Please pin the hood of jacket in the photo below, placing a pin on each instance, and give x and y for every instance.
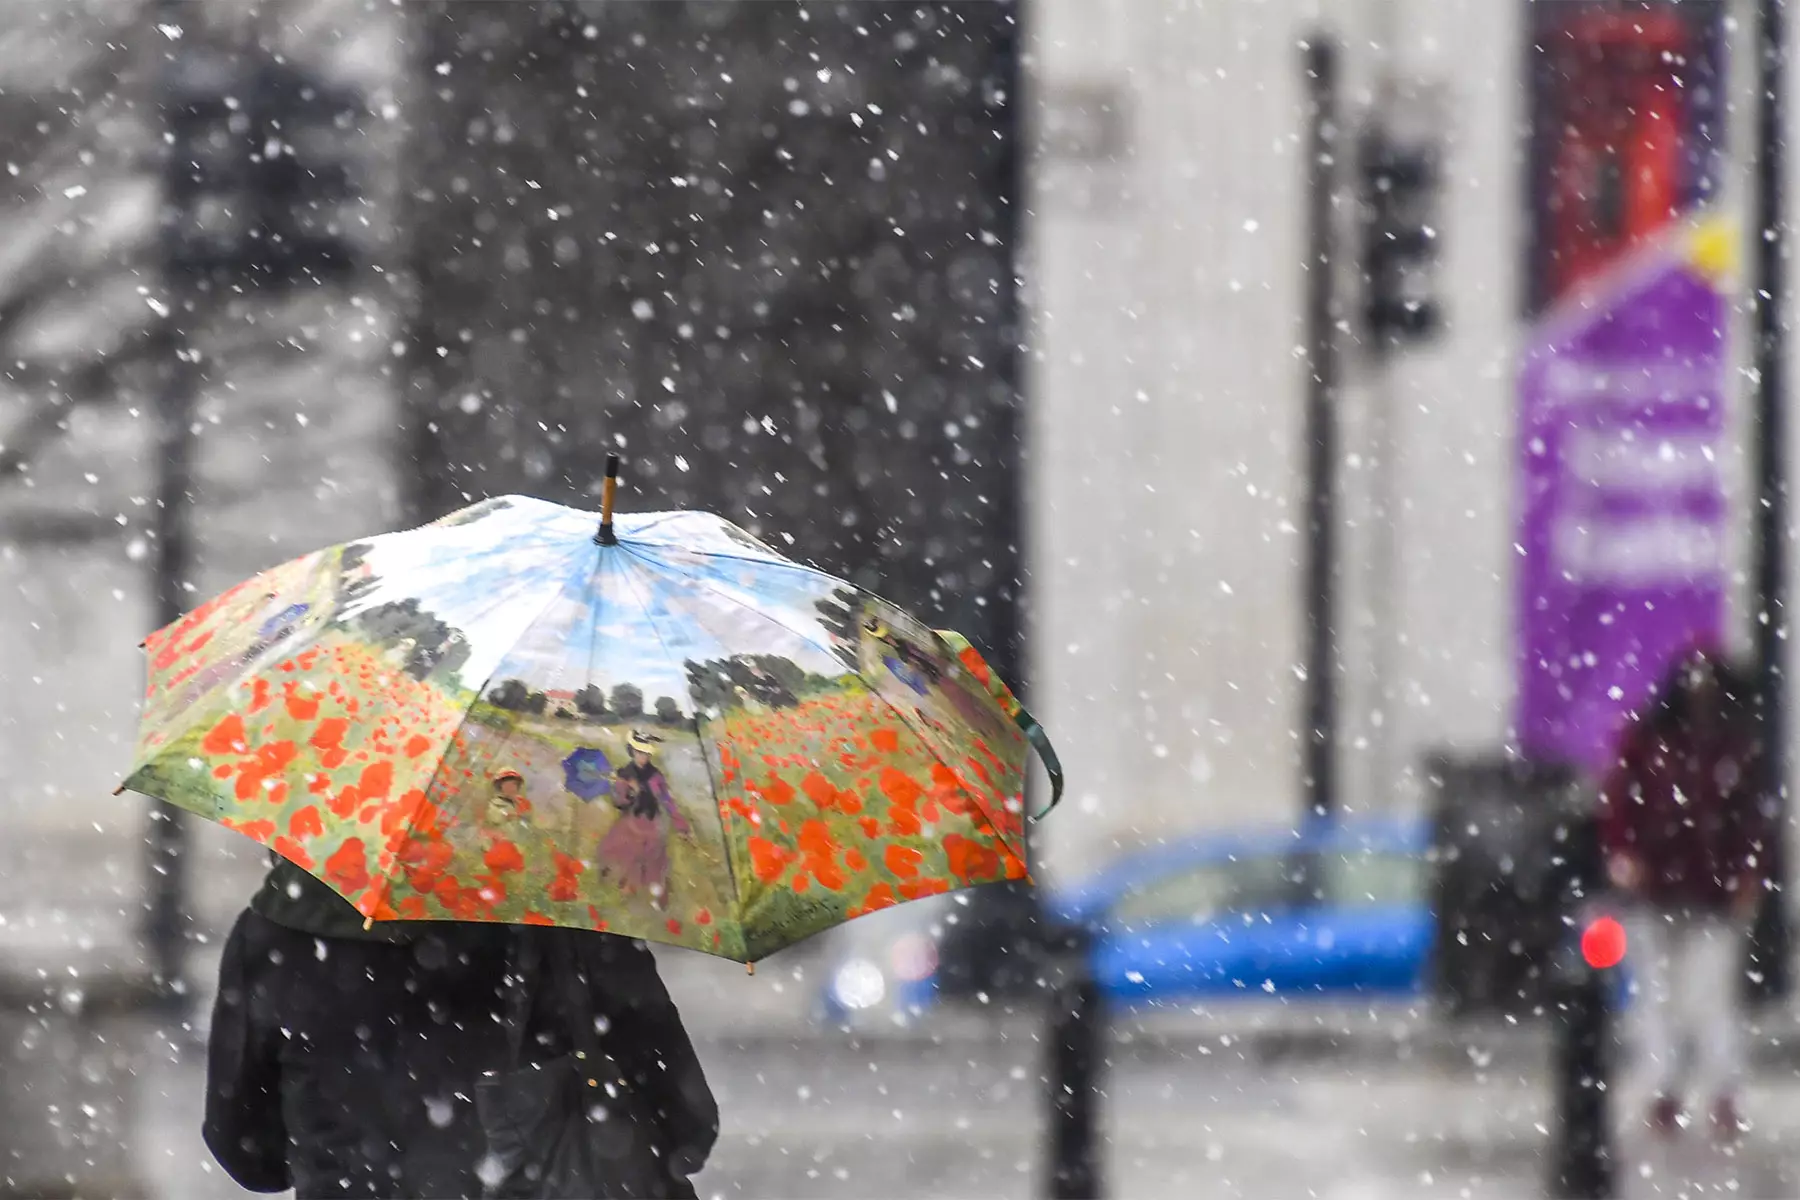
(296, 899)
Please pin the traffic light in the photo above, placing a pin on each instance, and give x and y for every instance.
(258, 171)
(1400, 181)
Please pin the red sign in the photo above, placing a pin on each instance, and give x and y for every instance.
(1626, 130)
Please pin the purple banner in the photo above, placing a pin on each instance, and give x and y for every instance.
(1621, 537)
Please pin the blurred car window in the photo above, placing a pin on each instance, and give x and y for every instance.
(1206, 891)
(1369, 878)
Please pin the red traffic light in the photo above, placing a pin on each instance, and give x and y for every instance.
(1603, 943)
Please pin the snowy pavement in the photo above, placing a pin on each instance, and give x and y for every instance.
(955, 1109)
(820, 1118)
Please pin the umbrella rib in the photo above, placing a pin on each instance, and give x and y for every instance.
(737, 895)
(594, 629)
(710, 586)
(787, 564)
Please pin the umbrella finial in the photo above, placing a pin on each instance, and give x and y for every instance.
(605, 536)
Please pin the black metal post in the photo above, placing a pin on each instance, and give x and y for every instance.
(1076, 1057)
(1581, 1158)
(167, 838)
(1771, 938)
(1321, 718)
(1581, 1153)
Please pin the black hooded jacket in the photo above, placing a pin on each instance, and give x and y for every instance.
(343, 1061)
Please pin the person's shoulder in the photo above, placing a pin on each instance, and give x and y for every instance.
(611, 949)
(258, 941)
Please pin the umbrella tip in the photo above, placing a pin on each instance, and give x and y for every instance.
(608, 490)
(118, 789)
(749, 968)
(368, 924)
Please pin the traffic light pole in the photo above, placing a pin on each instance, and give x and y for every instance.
(1320, 713)
(167, 839)
(1771, 939)
(165, 931)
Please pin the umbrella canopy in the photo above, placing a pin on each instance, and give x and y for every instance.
(668, 731)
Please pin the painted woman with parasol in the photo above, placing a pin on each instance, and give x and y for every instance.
(634, 854)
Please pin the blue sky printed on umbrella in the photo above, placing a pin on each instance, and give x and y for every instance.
(637, 615)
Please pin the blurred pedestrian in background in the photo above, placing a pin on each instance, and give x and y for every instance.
(1684, 829)
(345, 1060)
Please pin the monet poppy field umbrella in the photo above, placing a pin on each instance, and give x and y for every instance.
(660, 728)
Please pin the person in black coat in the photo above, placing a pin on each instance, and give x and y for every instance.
(344, 1061)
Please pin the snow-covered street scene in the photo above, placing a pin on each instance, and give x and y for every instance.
(946, 599)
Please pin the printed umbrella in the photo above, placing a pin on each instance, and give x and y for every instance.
(720, 748)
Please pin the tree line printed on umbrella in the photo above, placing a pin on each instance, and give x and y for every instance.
(613, 771)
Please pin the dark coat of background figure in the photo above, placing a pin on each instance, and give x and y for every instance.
(344, 1063)
(1683, 819)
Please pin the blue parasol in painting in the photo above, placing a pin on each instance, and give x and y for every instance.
(587, 773)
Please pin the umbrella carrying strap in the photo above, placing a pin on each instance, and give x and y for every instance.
(575, 1125)
(1035, 735)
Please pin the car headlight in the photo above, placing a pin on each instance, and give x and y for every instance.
(858, 984)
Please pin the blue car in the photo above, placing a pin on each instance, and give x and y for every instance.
(1327, 910)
